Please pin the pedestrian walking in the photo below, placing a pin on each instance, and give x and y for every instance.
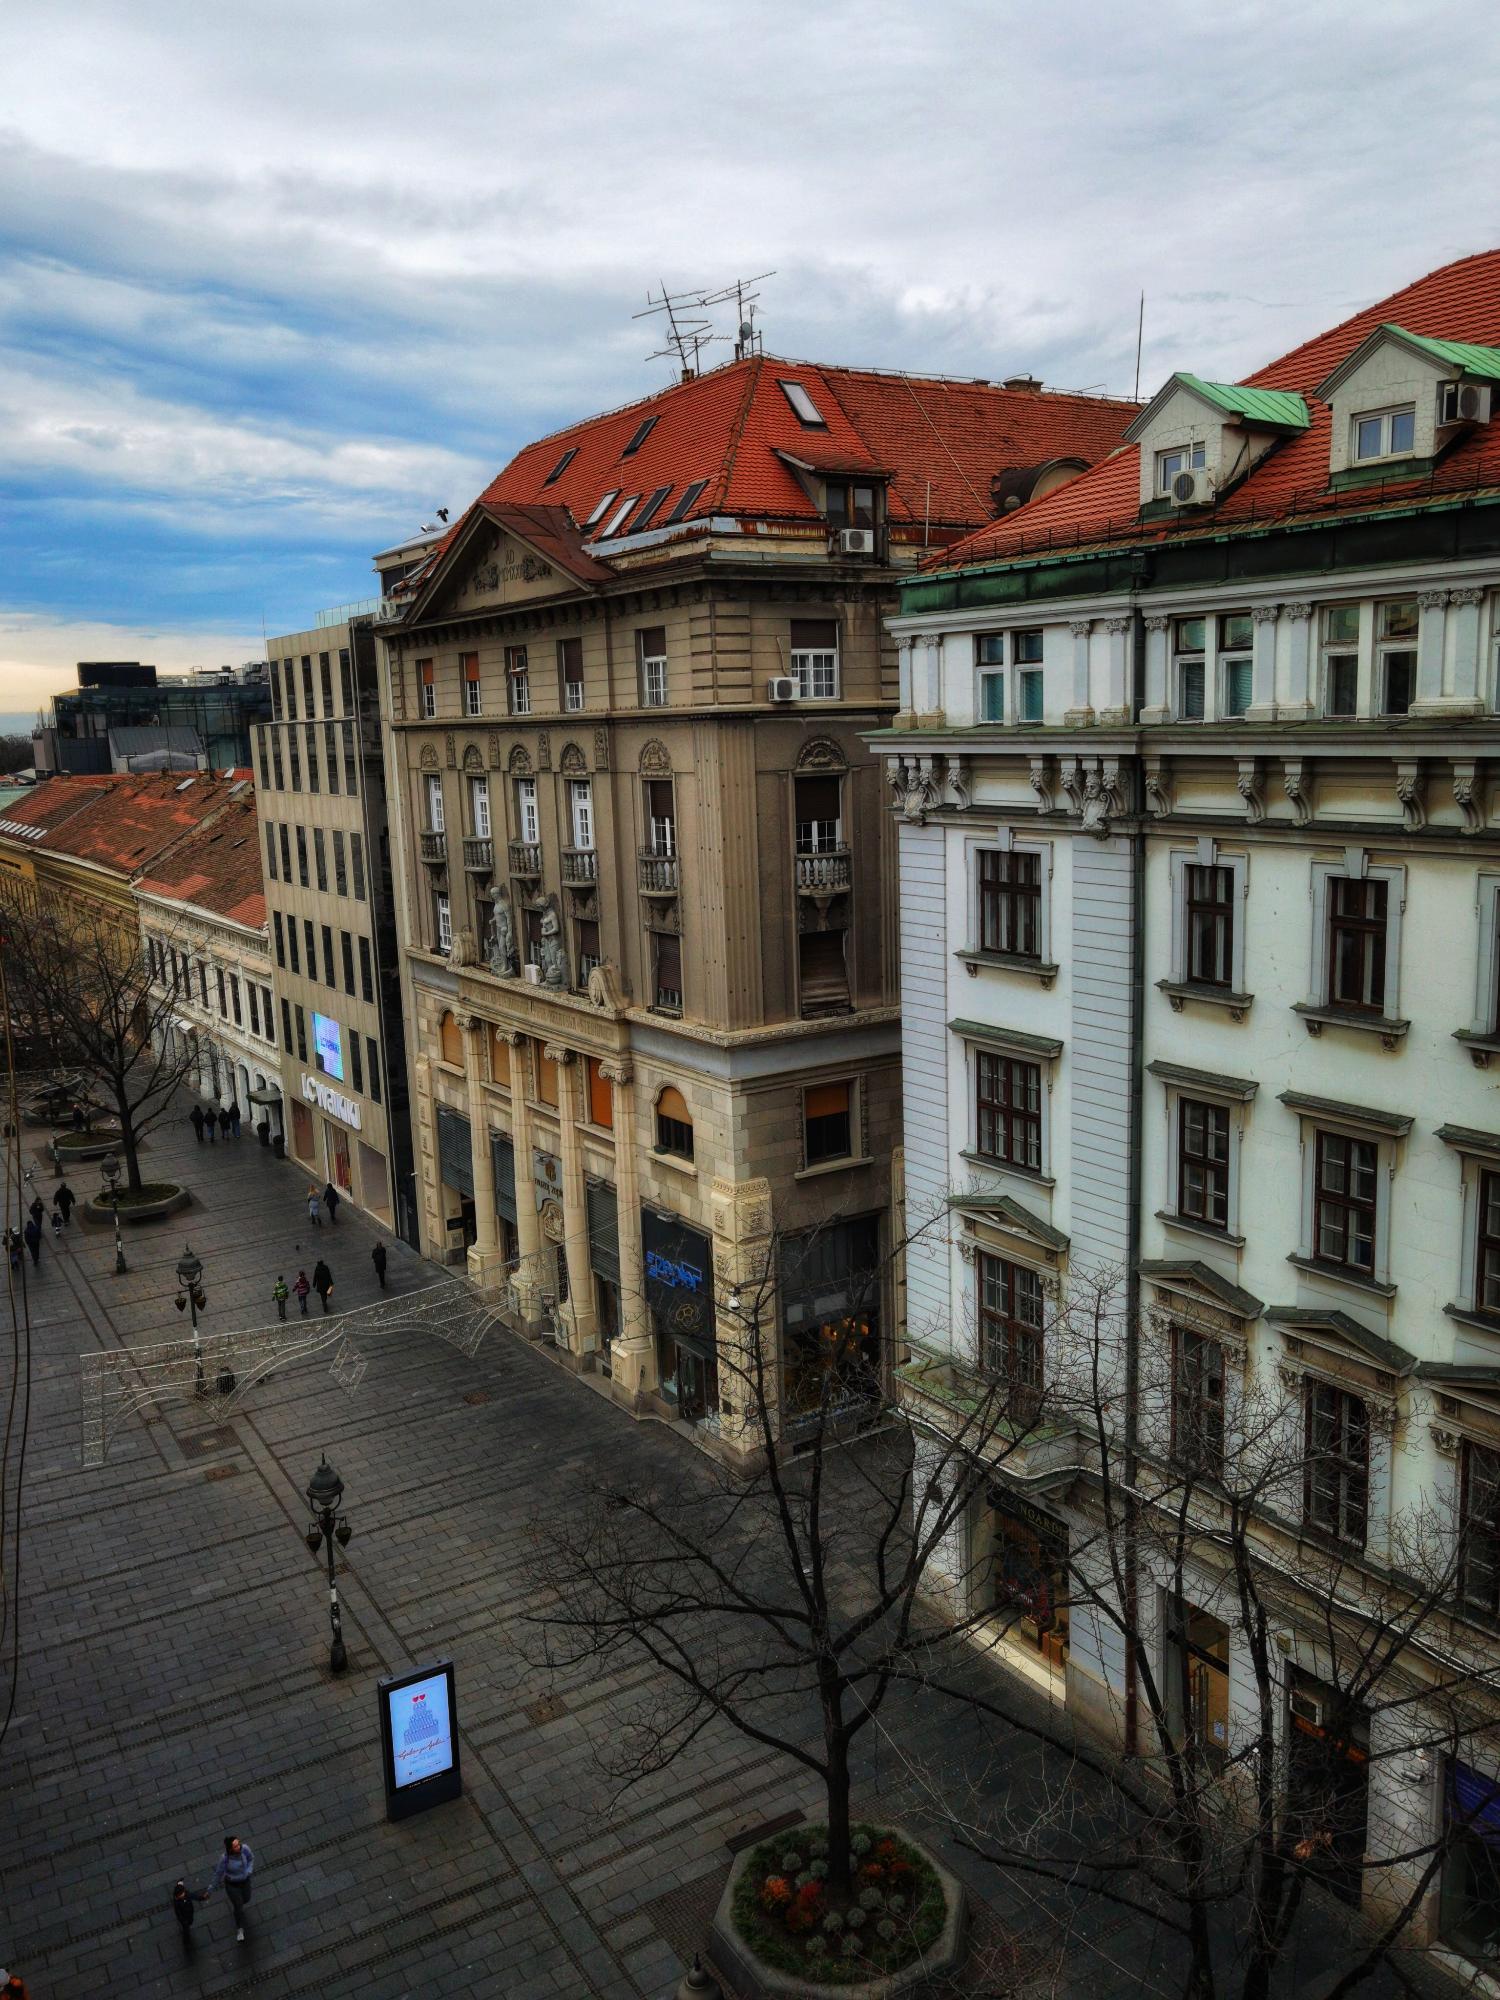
(15, 1987)
(56, 1223)
(65, 1199)
(77, 1117)
(234, 1117)
(37, 1210)
(314, 1208)
(184, 1909)
(322, 1281)
(235, 1867)
(195, 1119)
(302, 1288)
(279, 1294)
(377, 1258)
(34, 1241)
(223, 1123)
(13, 1249)
(331, 1201)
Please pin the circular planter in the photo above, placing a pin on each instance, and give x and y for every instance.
(762, 1955)
(160, 1198)
(68, 1146)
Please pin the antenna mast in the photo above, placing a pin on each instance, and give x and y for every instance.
(689, 326)
(1140, 328)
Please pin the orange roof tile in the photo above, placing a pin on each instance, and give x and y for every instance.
(124, 820)
(1459, 301)
(215, 866)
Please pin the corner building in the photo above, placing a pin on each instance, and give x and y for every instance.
(1200, 895)
(645, 873)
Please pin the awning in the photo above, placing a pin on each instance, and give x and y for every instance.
(266, 1094)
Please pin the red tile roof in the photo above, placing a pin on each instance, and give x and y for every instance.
(941, 442)
(120, 822)
(215, 867)
(1459, 301)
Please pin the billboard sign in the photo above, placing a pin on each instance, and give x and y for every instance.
(328, 1046)
(419, 1739)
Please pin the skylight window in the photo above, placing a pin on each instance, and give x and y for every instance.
(562, 465)
(807, 411)
(617, 519)
(647, 513)
(688, 501)
(640, 437)
(604, 506)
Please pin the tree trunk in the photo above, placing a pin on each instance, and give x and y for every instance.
(836, 1777)
(128, 1142)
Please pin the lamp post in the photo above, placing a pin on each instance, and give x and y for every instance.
(324, 1491)
(109, 1168)
(189, 1272)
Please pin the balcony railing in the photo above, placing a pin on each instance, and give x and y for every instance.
(479, 854)
(526, 857)
(580, 864)
(658, 873)
(822, 874)
(434, 848)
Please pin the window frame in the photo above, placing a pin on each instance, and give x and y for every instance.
(480, 816)
(1385, 416)
(1345, 1202)
(810, 663)
(426, 690)
(653, 677)
(850, 1151)
(1189, 659)
(1355, 865)
(1015, 906)
(1204, 1414)
(517, 680)
(581, 794)
(994, 1098)
(1388, 648)
(1172, 459)
(1326, 1450)
(436, 812)
(1208, 854)
(1227, 657)
(567, 684)
(1198, 1160)
(443, 911)
(528, 809)
(997, 1318)
(468, 667)
(667, 1131)
(1488, 1523)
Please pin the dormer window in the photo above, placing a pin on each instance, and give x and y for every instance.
(849, 504)
(1385, 433)
(1184, 458)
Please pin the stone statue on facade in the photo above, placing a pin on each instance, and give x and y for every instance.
(502, 942)
(554, 959)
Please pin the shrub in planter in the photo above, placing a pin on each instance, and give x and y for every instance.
(788, 1921)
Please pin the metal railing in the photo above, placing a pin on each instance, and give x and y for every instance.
(434, 847)
(580, 864)
(479, 853)
(367, 607)
(526, 857)
(658, 873)
(823, 871)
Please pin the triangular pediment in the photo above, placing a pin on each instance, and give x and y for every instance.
(1339, 1333)
(1003, 1211)
(506, 556)
(1187, 1278)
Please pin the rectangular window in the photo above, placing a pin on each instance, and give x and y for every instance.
(325, 675)
(1356, 943)
(219, 980)
(1210, 926)
(1029, 699)
(617, 520)
(1386, 433)
(286, 1025)
(827, 1123)
(1197, 1402)
(1336, 1484)
(686, 502)
(562, 465)
(435, 821)
(301, 1035)
(1190, 640)
(346, 680)
(1236, 640)
(340, 868)
(444, 924)
(351, 772)
(289, 672)
(270, 850)
(1011, 1307)
(517, 680)
(661, 820)
(331, 754)
(468, 664)
(586, 948)
(651, 652)
(366, 970)
(1479, 1543)
(265, 762)
(601, 1096)
(1203, 1162)
(346, 948)
(356, 1063)
(1487, 1256)
(991, 697)
(203, 982)
(427, 690)
(1341, 659)
(1026, 649)
(273, 675)
(314, 773)
(372, 1065)
(1183, 458)
(1009, 1104)
(357, 864)
(570, 673)
(815, 658)
(234, 1001)
(602, 507)
(581, 812)
(1397, 630)
(1010, 903)
(302, 856)
(320, 860)
(651, 509)
(329, 977)
(479, 807)
(312, 950)
(292, 948)
(667, 985)
(528, 816)
(1344, 1207)
(294, 756)
(307, 685)
(805, 409)
(252, 997)
(276, 764)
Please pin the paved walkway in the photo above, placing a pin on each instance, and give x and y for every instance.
(174, 1684)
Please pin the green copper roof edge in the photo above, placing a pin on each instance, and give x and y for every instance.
(1276, 406)
(1469, 355)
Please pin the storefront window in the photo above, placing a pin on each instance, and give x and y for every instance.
(830, 1329)
(679, 1293)
(1029, 1573)
(1469, 1917)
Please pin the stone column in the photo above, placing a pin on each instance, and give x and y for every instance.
(634, 1360)
(485, 1262)
(529, 1267)
(1468, 689)
(1299, 663)
(931, 715)
(1079, 711)
(1117, 709)
(747, 1311)
(1263, 669)
(1431, 632)
(1155, 709)
(907, 707)
(581, 1316)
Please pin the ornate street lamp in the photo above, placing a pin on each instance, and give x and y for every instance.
(324, 1492)
(189, 1272)
(109, 1169)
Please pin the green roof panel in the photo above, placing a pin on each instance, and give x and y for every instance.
(1264, 406)
(1481, 361)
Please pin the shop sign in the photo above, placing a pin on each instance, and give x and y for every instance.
(547, 1172)
(673, 1271)
(332, 1101)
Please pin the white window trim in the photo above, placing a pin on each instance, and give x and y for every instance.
(444, 923)
(436, 819)
(995, 1043)
(1021, 677)
(654, 665)
(581, 793)
(1187, 453)
(1207, 854)
(473, 697)
(528, 809)
(1313, 1122)
(1180, 662)
(1235, 1102)
(1470, 1167)
(1383, 649)
(479, 801)
(520, 690)
(805, 663)
(1002, 840)
(1355, 867)
(1487, 968)
(982, 674)
(1222, 663)
(429, 700)
(1384, 412)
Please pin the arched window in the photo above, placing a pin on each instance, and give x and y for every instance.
(452, 1041)
(674, 1124)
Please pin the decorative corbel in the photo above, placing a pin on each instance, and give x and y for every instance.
(1041, 784)
(1465, 779)
(1070, 776)
(1249, 788)
(1295, 779)
(1290, 1377)
(1109, 772)
(1409, 795)
(1095, 806)
(451, 750)
(1444, 1441)
(968, 1249)
(1158, 781)
(958, 782)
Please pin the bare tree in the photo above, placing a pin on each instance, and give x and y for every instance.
(81, 978)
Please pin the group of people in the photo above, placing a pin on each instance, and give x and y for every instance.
(225, 1122)
(232, 1874)
(320, 1282)
(30, 1237)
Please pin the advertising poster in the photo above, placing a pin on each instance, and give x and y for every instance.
(421, 1730)
(328, 1046)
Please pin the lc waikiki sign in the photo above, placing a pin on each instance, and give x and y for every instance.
(332, 1101)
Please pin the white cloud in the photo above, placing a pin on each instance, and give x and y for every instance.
(39, 655)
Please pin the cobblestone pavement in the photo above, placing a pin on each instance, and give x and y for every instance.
(174, 1683)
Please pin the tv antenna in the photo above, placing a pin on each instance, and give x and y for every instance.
(690, 325)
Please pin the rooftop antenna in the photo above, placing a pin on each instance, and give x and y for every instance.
(1140, 328)
(747, 340)
(690, 326)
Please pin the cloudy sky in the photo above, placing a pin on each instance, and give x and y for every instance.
(278, 280)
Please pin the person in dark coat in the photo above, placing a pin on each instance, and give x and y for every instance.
(377, 1258)
(331, 1201)
(37, 1210)
(13, 1248)
(184, 1909)
(195, 1119)
(77, 1117)
(223, 1123)
(322, 1281)
(234, 1118)
(65, 1199)
(34, 1241)
(210, 1126)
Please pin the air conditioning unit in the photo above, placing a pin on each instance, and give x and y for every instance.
(1191, 489)
(1465, 403)
(783, 688)
(856, 541)
(532, 974)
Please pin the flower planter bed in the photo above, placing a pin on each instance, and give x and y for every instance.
(65, 1146)
(779, 1931)
(143, 1204)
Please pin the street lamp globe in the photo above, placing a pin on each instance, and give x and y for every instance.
(325, 1489)
(189, 1269)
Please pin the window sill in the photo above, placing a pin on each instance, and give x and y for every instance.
(1204, 1229)
(1026, 1174)
(1483, 1322)
(833, 1167)
(675, 1161)
(1315, 1019)
(1179, 991)
(1480, 1046)
(1008, 961)
(1342, 1275)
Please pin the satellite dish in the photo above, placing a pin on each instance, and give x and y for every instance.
(746, 329)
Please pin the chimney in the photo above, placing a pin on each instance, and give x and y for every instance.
(1031, 384)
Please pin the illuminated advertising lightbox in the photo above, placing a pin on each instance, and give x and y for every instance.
(419, 1739)
(328, 1045)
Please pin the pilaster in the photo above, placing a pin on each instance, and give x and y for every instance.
(1079, 712)
(633, 1367)
(1432, 624)
(580, 1314)
(1468, 694)
(1299, 700)
(1117, 706)
(1155, 709)
(1263, 665)
(530, 1268)
(486, 1266)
